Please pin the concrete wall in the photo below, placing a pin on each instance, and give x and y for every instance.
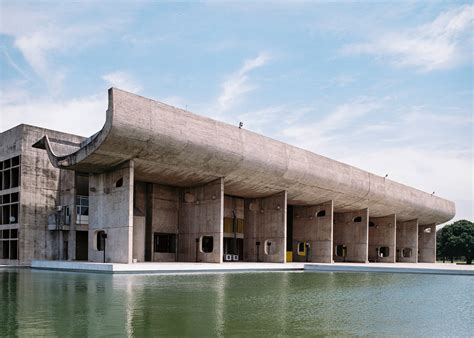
(407, 237)
(427, 243)
(382, 233)
(139, 238)
(265, 222)
(307, 226)
(111, 210)
(165, 212)
(201, 213)
(354, 235)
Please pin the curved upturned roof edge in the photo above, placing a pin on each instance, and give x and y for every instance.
(173, 146)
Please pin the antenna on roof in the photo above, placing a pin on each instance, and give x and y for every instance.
(241, 124)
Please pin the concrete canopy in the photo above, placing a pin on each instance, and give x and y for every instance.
(175, 147)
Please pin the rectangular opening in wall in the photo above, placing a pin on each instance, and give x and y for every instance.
(15, 177)
(7, 164)
(14, 197)
(15, 161)
(165, 243)
(14, 213)
(6, 199)
(6, 249)
(14, 249)
(6, 214)
(6, 179)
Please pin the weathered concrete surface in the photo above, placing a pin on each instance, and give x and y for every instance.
(382, 233)
(407, 238)
(265, 222)
(437, 269)
(201, 213)
(39, 191)
(318, 230)
(354, 235)
(111, 210)
(427, 243)
(175, 147)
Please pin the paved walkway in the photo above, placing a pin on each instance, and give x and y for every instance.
(174, 267)
(181, 267)
(423, 268)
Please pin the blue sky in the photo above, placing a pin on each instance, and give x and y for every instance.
(387, 87)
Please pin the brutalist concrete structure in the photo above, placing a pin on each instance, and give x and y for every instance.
(160, 184)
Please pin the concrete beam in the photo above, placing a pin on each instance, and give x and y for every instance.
(111, 210)
(382, 233)
(407, 241)
(265, 223)
(313, 224)
(351, 231)
(427, 243)
(201, 215)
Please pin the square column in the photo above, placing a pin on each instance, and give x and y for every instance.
(200, 224)
(407, 241)
(427, 243)
(351, 236)
(382, 239)
(313, 225)
(265, 229)
(111, 213)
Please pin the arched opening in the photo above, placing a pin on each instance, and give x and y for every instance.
(371, 224)
(321, 213)
(119, 182)
(357, 219)
(384, 251)
(406, 252)
(100, 237)
(207, 244)
(341, 250)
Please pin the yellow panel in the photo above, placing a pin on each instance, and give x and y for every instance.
(289, 256)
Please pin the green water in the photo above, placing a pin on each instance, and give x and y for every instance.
(41, 303)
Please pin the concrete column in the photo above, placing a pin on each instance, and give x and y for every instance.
(407, 241)
(201, 215)
(427, 243)
(265, 223)
(313, 224)
(111, 211)
(351, 231)
(382, 233)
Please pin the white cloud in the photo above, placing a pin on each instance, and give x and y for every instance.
(441, 44)
(84, 115)
(122, 80)
(238, 83)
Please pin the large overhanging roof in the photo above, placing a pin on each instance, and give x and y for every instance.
(175, 147)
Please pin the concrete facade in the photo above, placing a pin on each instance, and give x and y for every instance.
(160, 184)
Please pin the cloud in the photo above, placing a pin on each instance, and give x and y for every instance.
(238, 83)
(441, 44)
(316, 134)
(122, 80)
(84, 115)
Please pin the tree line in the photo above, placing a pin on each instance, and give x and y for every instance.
(456, 240)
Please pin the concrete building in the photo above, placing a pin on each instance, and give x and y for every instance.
(160, 184)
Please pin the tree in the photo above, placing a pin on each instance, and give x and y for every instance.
(456, 240)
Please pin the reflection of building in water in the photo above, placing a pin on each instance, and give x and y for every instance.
(160, 184)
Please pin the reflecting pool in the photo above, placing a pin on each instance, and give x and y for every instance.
(48, 303)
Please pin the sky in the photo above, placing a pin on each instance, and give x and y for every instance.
(384, 86)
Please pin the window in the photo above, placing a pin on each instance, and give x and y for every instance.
(384, 251)
(119, 183)
(207, 244)
(101, 236)
(165, 243)
(82, 209)
(357, 219)
(321, 213)
(9, 208)
(9, 244)
(341, 250)
(406, 252)
(301, 249)
(371, 224)
(10, 173)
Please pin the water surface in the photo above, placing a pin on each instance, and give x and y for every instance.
(47, 303)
